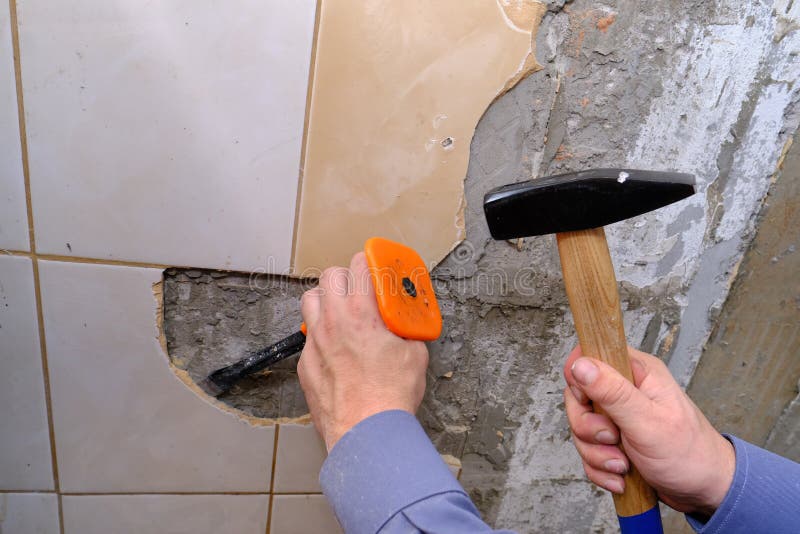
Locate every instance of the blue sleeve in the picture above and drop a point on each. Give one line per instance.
(385, 475)
(764, 495)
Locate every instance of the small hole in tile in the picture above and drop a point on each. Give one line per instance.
(214, 318)
(448, 143)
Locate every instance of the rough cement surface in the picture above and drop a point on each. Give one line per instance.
(698, 86)
(748, 377)
(212, 319)
(749, 371)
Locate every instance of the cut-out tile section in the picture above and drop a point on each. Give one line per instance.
(212, 319)
(124, 422)
(29, 513)
(25, 457)
(301, 453)
(173, 514)
(13, 207)
(167, 133)
(301, 514)
(398, 90)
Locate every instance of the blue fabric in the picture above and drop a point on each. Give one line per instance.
(764, 495)
(648, 522)
(384, 476)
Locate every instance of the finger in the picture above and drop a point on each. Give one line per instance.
(335, 283)
(609, 481)
(574, 355)
(587, 425)
(619, 398)
(310, 306)
(363, 290)
(606, 458)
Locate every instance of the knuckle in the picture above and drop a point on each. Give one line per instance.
(618, 392)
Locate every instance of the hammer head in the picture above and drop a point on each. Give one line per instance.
(580, 200)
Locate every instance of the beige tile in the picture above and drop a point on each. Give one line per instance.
(25, 457)
(161, 514)
(302, 514)
(398, 90)
(300, 455)
(13, 210)
(124, 422)
(28, 513)
(168, 133)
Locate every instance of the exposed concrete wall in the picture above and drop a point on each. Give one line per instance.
(706, 87)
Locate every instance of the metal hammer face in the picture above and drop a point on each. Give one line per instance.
(580, 200)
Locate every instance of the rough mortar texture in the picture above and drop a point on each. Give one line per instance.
(707, 87)
(212, 319)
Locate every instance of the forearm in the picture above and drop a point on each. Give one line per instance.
(385, 476)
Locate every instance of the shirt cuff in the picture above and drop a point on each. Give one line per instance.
(762, 496)
(379, 467)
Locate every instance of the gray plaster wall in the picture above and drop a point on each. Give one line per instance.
(706, 87)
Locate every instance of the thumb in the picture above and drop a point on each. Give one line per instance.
(609, 390)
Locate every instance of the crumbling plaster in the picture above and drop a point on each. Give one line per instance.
(706, 87)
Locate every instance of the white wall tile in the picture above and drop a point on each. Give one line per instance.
(13, 208)
(123, 421)
(299, 459)
(28, 513)
(25, 457)
(167, 132)
(302, 514)
(159, 514)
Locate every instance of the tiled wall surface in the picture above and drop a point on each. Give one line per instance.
(155, 126)
(13, 217)
(154, 135)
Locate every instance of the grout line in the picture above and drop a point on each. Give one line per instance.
(272, 476)
(23, 139)
(25, 491)
(96, 261)
(16, 253)
(181, 493)
(283, 493)
(312, 67)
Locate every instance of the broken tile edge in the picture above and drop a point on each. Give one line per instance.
(183, 376)
(527, 66)
(528, 23)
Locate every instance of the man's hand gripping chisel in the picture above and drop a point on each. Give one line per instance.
(406, 302)
(575, 207)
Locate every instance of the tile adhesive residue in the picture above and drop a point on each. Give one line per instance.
(398, 90)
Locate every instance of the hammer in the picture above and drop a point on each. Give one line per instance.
(576, 206)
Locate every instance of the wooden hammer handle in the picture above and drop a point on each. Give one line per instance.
(594, 300)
